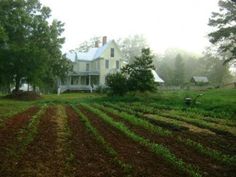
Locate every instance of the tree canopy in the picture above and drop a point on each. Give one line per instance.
(224, 36)
(139, 73)
(29, 44)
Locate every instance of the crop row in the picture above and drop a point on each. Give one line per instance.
(108, 148)
(26, 135)
(202, 123)
(155, 108)
(158, 149)
(214, 154)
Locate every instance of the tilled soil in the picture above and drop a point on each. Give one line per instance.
(90, 158)
(144, 162)
(225, 144)
(207, 166)
(8, 138)
(41, 158)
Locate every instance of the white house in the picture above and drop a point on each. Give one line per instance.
(91, 68)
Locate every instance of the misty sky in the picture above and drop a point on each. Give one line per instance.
(165, 23)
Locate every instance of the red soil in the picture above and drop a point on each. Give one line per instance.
(8, 134)
(144, 162)
(208, 166)
(90, 158)
(41, 158)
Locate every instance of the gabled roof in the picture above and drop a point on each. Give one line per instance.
(202, 79)
(92, 54)
(156, 77)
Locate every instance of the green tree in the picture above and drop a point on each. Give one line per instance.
(224, 37)
(117, 82)
(213, 68)
(179, 71)
(32, 45)
(139, 73)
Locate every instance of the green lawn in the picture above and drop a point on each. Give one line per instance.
(219, 103)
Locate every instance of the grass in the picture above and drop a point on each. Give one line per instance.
(9, 108)
(154, 147)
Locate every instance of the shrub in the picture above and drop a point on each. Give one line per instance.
(117, 83)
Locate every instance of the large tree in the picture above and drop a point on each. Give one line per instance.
(30, 45)
(224, 36)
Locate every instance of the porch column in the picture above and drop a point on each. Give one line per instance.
(79, 80)
(89, 79)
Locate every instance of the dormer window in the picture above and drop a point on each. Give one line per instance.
(112, 52)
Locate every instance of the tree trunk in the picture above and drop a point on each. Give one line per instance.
(17, 87)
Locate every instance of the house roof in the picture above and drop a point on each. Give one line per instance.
(92, 54)
(202, 79)
(156, 77)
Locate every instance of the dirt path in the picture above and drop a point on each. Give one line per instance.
(208, 166)
(41, 158)
(8, 139)
(144, 162)
(90, 158)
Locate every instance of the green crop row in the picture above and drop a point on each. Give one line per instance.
(215, 127)
(27, 135)
(160, 120)
(64, 134)
(154, 147)
(126, 167)
(139, 122)
(214, 154)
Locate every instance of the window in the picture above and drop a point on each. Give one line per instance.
(117, 64)
(74, 80)
(87, 67)
(107, 64)
(112, 52)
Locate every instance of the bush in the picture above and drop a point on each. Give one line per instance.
(117, 83)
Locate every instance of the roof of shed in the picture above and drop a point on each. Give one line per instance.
(156, 77)
(200, 79)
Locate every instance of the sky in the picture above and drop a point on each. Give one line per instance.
(164, 23)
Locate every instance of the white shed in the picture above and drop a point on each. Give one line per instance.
(157, 79)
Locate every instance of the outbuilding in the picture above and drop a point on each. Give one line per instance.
(199, 80)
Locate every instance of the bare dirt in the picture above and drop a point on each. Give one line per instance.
(144, 162)
(24, 95)
(90, 158)
(41, 158)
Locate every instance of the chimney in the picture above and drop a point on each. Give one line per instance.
(104, 40)
(96, 44)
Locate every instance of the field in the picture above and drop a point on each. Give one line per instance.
(142, 135)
